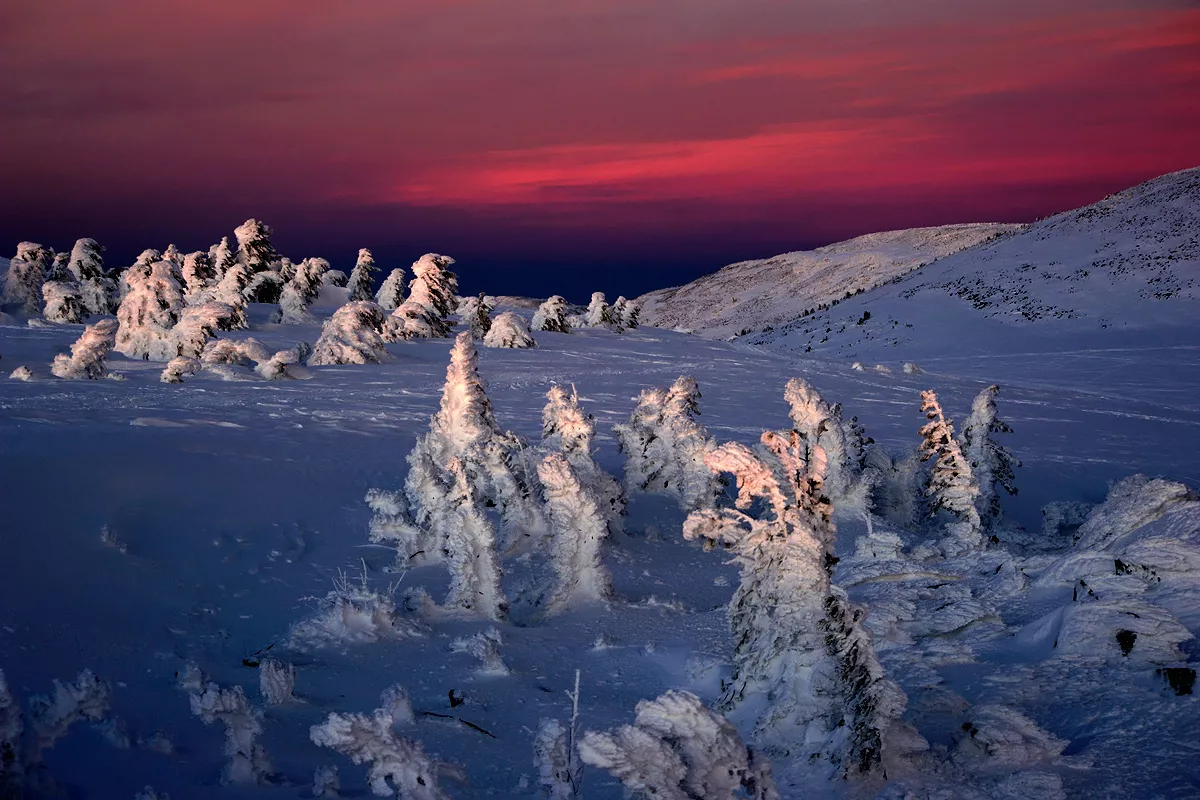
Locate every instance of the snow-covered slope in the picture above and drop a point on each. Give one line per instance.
(751, 295)
(1122, 272)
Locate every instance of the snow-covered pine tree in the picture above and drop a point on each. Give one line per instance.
(413, 320)
(223, 257)
(552, 316)
(301, 290)
(578, 526)
(571, 431)
(633, 314)
(599, 313)
(287, 270)
(470, 548)
(265, 287)
(362, 278)
(230, 291)
(952, 484)
(97, 288)
(27, 271)
(173, 257)
(434, 285)
(198, 324)
(805, 672)
(665, 446)
(992, 463)
(510, 330)
(678, 749)
(198, 273)
(355, 334)
(61, 293)
(476, 314)
(620, 308)
(391, 293)
(819, 425)
(149, 312)
(255, 249)
(88, 353)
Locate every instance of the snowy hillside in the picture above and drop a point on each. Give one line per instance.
(751, 295)
(1124, 272)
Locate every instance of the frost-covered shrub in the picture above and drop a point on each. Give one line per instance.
(148, 313)
(362, 278)
(398, 767)
(665, 447)
(276, 367)
(551, 757)
(952, 485)
(805, 672)
(178, 367)
(397, 704)
(96, 287)
(21, 373)
(248, 761)
(391, 292)
(242, 352)
(476, 314)
(276, 682)
(434, 285)
(577, 527)
(569, 430)
(469, 540)
(991, 463)
(198, 324)
(552, 316)
(88, 353)
(301, 290)
(352, 613)
(599, 313)
(485, 647)
(509, 330)
(63, 301)
(27, 272)
(677, 749)
(353, 335)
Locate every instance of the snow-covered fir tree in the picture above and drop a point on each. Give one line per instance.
(952, 485)
(391, 292)
(265, 287)
(27, 271)
(230, 291)
(991, 462)
(198, 273)
(470, 547)
(223, 256)
(578, 526)
(198, 324)
(678, 749)
(567, 428)
(434, 285)
(62, 295)
(465, 427)
(805, 675)
(98, 289)
(665, 446)
(631, 317)
(414, 320)
(476, 314)
(599, 313)
(362, 278)
(149, 312)
(820, 425)
(355, 334)
(173, 257)
(255, 249)
(178, 367)
(509, 329)
(88, 354)
(552, 316)
(302, 290)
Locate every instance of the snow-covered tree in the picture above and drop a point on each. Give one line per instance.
(799, 643)
(287, 270)
(178, 367)
(230, 291)
(198, 324)
(678, 749)
(362, 278)
(264, 287)
(254, 246)
(631, 316)
(434, 285)
(242, 352)
(578, 526)
(552, 315)
(391, 293)
(277, 366)
(398, 767)
(952, 485)
(476, 313)
(820, 425)
(63, 298)
(552, 759)
(665, 447)
(599, 313)
(567, 428)
(353, 335)
(465, 427)
(470, 547)
(88, 353)
(223, 257)
(991, 463)
(197, 272)
(301, 290)
(173, 257)
(413, 320)
(27, 272)
(509, 329)
(95, 285)
(149, 312)
(248, 761)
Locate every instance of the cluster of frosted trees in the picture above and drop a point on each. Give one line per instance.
(556, 315)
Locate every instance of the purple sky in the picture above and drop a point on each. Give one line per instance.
(560, 146)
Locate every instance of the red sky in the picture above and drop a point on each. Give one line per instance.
(658, 139)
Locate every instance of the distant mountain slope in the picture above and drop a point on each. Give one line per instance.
(1128, 265)
(751, 295)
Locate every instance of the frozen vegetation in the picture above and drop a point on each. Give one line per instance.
(975, 578)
